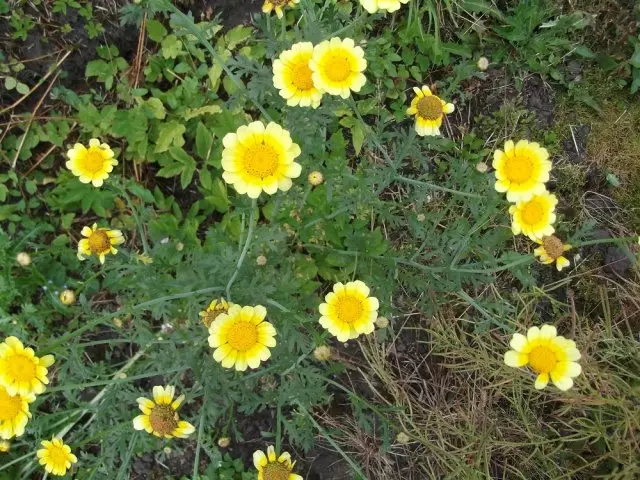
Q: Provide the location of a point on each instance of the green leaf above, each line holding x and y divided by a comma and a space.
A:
153, 108
22, 88
171, 46
156, 31
204, 140
10, 83
196, 112
357, 133
181, 156
237, 35
170, 133
634, 61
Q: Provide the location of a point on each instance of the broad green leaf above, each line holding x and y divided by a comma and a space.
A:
204, 140
196, 112
156, 30
357, 133
170, 133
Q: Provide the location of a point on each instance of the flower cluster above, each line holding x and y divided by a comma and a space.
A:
522, 171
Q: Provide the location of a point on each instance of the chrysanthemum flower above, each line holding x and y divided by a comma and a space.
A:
349, 311
372, 6
56, 457
21, 372
550, 356
215, 308
91, 164
14, 413
98, 242
551, 250
521, 169
429, 111
242, 337
337, 67
278, 5
534, 217
4, 446
292, 76
260, 159
272, 467
160, 416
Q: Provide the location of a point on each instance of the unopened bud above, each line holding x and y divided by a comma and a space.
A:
402, 438
4, 446
224, 442
261, 260
421, 217
179, 246
482, 167
322, 353
167, 450
117, 322
315, 178
382, 322
483, 63
68, 297
23, 259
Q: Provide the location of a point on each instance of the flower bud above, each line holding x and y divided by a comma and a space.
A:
483, 63
482, 167
315, 178
322, 353
224, 442
68, 297
402, 438
261, 260
23, 259
382, 322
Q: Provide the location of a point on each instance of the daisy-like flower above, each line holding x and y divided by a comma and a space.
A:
278, 5
160, 417
21, 372
372, 6
242, 337
521, 169
4, 446
272, 467
337, 67
14, 413
259, 158
91, 164
292, 76
550, 356
534, 217
551, 250
56, 457
349, 311
98, 242
215, 308
429, 110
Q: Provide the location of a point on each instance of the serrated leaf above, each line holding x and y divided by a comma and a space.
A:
204, 140
196, 112
170, 133
156, 30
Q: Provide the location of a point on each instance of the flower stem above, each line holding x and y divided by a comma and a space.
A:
606, 240
252, 224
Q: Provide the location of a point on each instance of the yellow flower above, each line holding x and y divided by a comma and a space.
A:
269, 5
550, 250
21, 372
337, 67
292, 76
349, 311
372, 6
215, 308
521, 169
56, 457
99, 242
429, 111
160, 416
91, 164
4, 446
271, 467
550, 356
14, 413
241, 337
258, 158
534, 217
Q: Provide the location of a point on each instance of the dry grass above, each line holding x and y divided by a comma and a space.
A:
469, 416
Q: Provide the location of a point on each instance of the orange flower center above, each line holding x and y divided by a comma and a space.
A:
338, 68
260, 160
518, 168
553, 246
542, 359
275, 471
163, 419
93, 160
429, 107
99, 242
10, 407
242, 336
532, 213
349, 309
301, 76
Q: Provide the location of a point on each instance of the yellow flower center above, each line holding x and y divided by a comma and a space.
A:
542, 359
57, 456
553, 246
429, 107
275, 471
10, 407
93, 160
518, 168
163, 419
301, 76
349, 309
243, 336
99, 242
260, 160
22, 369
338, 68
532, 213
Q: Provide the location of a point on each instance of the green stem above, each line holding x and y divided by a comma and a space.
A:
432, 186
346, 28
606, 240
196, 461
252, 224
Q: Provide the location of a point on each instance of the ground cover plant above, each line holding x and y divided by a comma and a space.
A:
319, 239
